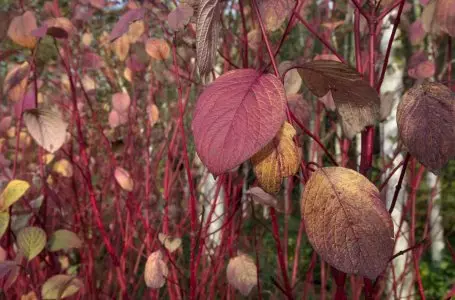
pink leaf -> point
(124, 22)
(5, 123)
(121, 102)
(236, 116)
(179, 17)
(28, 102)
(416, 32)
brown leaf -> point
(157, 49)
(207, 32)
(356, 101)
(15, 82)
(426, 124)
(274, 12)
(20, 30)
(445, 16)
(346, 222)
(278, 159)
(241, 273)
(155, 271)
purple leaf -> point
(122, 26)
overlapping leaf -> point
(278, 159)
(207, 31)
(124, 179)
(346, 222)
(122, 25)
(356, 101)
(426, 123)
(236, 116)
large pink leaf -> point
(236, 116)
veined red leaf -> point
(207, 31)
(274, 12)
(236, 116)
(346, 222)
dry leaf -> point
(346, 222)
(157, 49)
(124, 179)
(15, 82)
(260, 196)
(207, 32)
(20, 30)
(292, 79)
(170, 243)
(426, 124)
(278, 159)
(241, 273)
(357, 102)
(155, 271)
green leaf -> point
(31, 240)
(12, 193)
(63, 240)
(60, 286)
(4, 220)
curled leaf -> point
(241, 273)
(170, 243)
(207, 32)
(346, 222)
(155, 271)
(13, 191)
(356, 101)
(60, 286)
(426, 124)
(278, 159)
(124, 179)
(63, 239)
(20, 30)
(236, 116)
(260, 196)
(31, 241)
(46, 127)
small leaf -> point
(63, 167)
(31, 240)
(357, 102)
(426, 124)
(46, 127)
(117, 119)
(15, 82)
(179, 17)
(60, 286)
(4, 222)
(63, 239)
(121, 102)
(241, 273)
(20, 30)
(207, 32)
(153, 114)
(155, 271)
(278, 159)
(170, 243)
(122, 25)
(346, 222)
(292, 79)
(416, 32)
(121, 47)
(124, 179)
(260, 196)
(12, 193)
(157, 49)
(274, 12)
(236, 116)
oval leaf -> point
(46, 127)
(12, 193)
(207, 32)
(346, 222)
(122, 26)
(236, 116)
(60, 286)
(241, 273)
(124, 179)
(4, 221)
(157, 49)
(121, 102)
(278, 159)
(155, 271)
(20, 30)
(292, 79)
(356, 101)
(63, 239)
(31, 240)
(426, 124)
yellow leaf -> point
(12, 193)
(279, 158)
(48, 158)
(121, 47)
(63, 167)
(87, 39)
(157, 49)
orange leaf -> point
(20, 30)
(157, 49)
